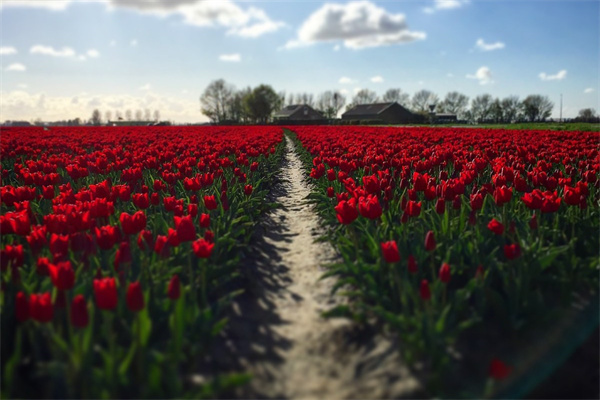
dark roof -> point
(288, 110)
(368, 109)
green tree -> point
(537, 107)
(261, 103)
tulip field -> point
(118, 245)
(121, 246)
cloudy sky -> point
(62, 59)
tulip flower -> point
(390, 251)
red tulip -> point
(186, 232)
(248, 190)
(106, 236)
(440, 206)
(512, 251)
(502, 195)
(210, 202)
(59, 244)
(444, 274)
(204, 220)
(430, 241)
(369, 207)
(424, 290)
(390, 251)
(135, 297)
(496, 226)
(62, 275)
(105, 292)
(160, 246)
(346, 211)
(79, 312)
(202, 248)
(413, 209)
(40, 307)
(499, 370)
(174, 289)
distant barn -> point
(299, 114)
(381, 113)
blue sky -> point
(62, 59)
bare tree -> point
(496, 112)
(454, 103)
(422, 100)
(96, 117)
(330, 103)
(128, 115)
(587, 115)
(480, 107)
(215, 98)
(365, 96)
(511, 108)
(138, 115)
(398, 96)
(108, 116)
(156, 115)
(147, 114)
(537, 107)
(118, 115)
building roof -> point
(369, 109)
(289, 110)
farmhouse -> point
(299, 114)
(384, 113)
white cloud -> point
(113, 43)
(377, 79)
(251, 22)
(358, 24)
(344, 92)
(16, 67)
(560, 75)
(51, 51)
(93, 53)
(445, 5)
(344, 80)
(357, 89)
(7, 50)
(230, 57)
(133, 42)
(55, 5)
(145, 87)
(483, 46)
(483, 75)
(20, 105)
(589, 90)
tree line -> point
(138, 115)
(221, 102)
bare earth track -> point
(277, 332)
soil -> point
(277, 332)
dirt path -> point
(277, 332)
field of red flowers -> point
(446, 232)
(119, 245)
(117, 248)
